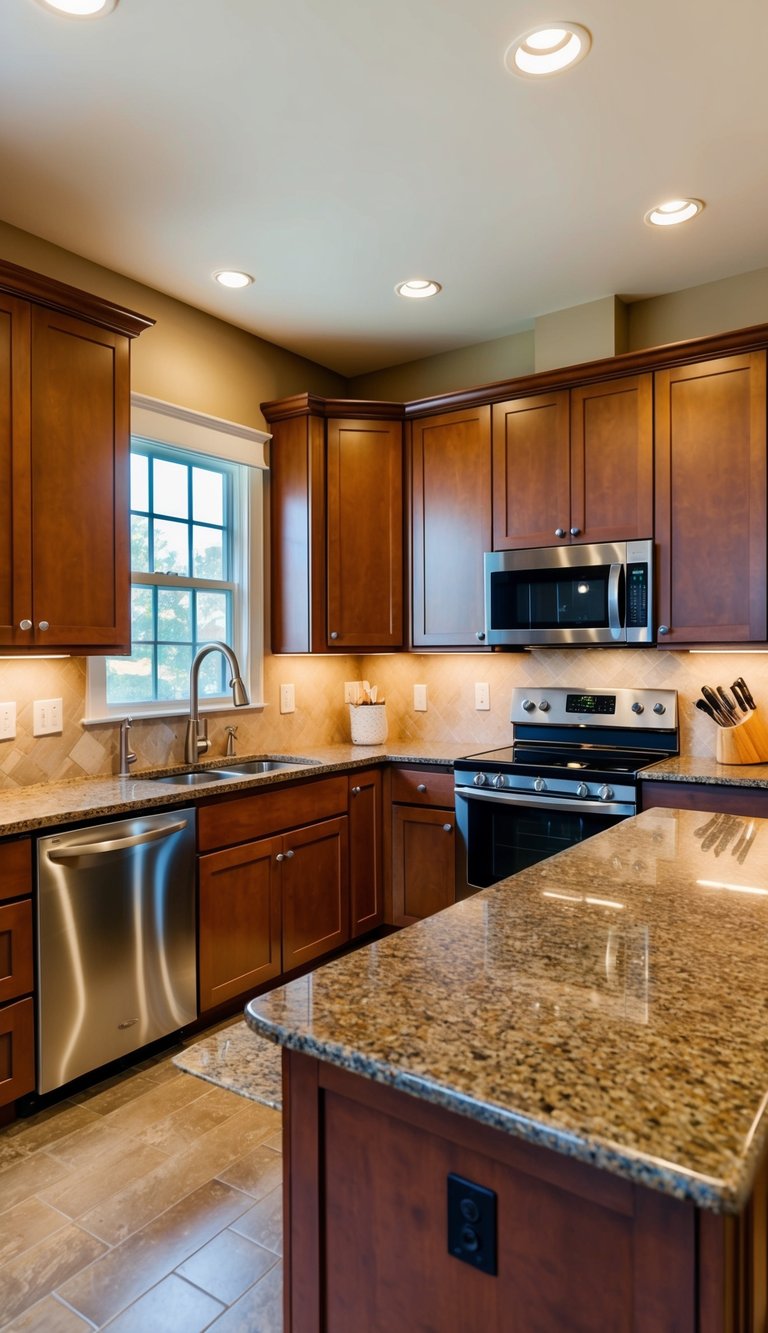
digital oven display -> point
(590, 703)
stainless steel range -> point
(571, 772)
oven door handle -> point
(614, 619)
(619, 809)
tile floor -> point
(148, 1203)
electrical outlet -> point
(482, 695)
(7, 721)
(287, 699)
(472, 1224)
(420, 698)
(46, 717)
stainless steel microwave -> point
(598, 593)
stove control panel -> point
(554, 705)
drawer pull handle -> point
(447, 828)
(25, 624)
(43, 624)
(288, 855)
(422, 786)
(280, 857)
(356, 791)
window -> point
(195, 570)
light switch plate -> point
(482, 695)
(46, 717)
(7, 721)
(420, 698)
(287, 699)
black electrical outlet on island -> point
(472, 1224)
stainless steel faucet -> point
(127, 756)
(197, 741)
(231, 738)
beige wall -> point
(732, 303)
(582, 333)
(188, 358)
(501, 359)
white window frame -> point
(157, 422)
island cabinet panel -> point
(239, 920)
(531, 471)
(451, 527)
(705, 796)
(366, 888)
(366, 1225)
(365, 534)
(711, 501)
(315, 891)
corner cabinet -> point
(451, 527)
(336, 502)
(711, 501)
(574, 465)
(64, 460)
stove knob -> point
(544, 705)
(479, 779)
(638, 707)
(606, 793)
(499, 780)
(539, 785)
(528, 705)
(582, 789)
(659, 708)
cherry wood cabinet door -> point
(612, 460)
(15, 531)
(297, 535)
(423, 862)
(239, 920)
(16, 963)
(315, 891)
(17, 1050)
(451, 527)
(365, 851)
(531, 471)
(365, 534)
(80, 461)
(711, 501)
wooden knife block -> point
(746, 743)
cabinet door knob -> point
(480, 635)
(279, 857)
(288, 855)
(334, 634)
(25, 624)
(663, 629)
(447, 828)
(43, 624)
(422, 786)
(356, 791)
(575, 532)
(559, 532)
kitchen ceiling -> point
(332, 148)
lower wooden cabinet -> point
(366, 894)
(315, 891)
(17, 1010)
(423, 843)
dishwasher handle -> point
(114, 844)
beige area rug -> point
(235, 1058)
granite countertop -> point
(609, 1003)
(26, 809)
(691, 769)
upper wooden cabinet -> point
(574, 465)
(64, 459)
(451, 527)
(336, 527)
(711, 501)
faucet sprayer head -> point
(239, 692)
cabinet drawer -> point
(419, 786)
(15, 868)
(226, 822)
(16, 971)
(17, 1051)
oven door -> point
(503, 833)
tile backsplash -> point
(321, 717)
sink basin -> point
(193, 777)
(262, 766)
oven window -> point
(550, 598)
(504, 839)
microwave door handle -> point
(614, 619)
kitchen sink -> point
(193, 777)
(265, 766)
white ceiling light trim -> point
(548, 49)
(418, 288)
(79, 9)
(232, 277)
(672, 212)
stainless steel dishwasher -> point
(115, 942)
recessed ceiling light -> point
(80, 9)
(547, 50)
(417, 288)
(231, 277)
(672, 212)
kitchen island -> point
(588, 1041)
